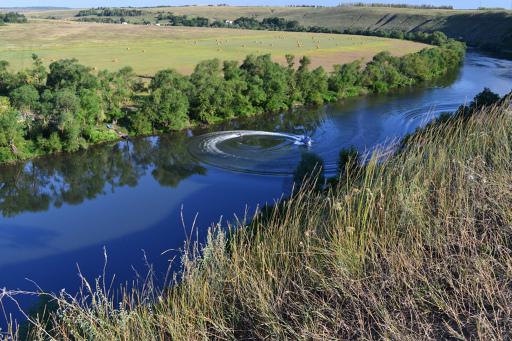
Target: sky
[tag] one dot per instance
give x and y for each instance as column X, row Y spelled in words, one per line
column 117, row 3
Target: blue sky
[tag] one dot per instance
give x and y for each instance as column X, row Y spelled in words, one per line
column 96, row 3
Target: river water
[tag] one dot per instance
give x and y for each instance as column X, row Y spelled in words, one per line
column 139, row 199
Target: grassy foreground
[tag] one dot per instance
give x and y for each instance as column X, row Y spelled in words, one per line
column 414, row 247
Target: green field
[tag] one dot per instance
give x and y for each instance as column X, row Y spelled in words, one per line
column 151, row 48
column 479, row 28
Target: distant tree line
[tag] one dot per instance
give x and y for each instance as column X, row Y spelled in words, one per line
column 68, row 106
column 12, row 18
column 377, row 4
column 111, row 12
column 183, row 20
column 102, row 20
column 304, row 5
column 491, row 9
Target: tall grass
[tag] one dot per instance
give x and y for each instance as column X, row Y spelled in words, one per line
column 414, row 247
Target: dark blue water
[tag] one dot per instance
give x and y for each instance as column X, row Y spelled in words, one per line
column 57, row 213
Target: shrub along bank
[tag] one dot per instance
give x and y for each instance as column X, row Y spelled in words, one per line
column 69, row 106
column 12, row 18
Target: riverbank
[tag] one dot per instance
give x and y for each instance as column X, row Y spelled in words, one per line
column 415, row 246
column 70, row 107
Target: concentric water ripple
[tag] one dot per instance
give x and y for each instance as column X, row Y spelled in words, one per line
column 250, row 151
column 428, row 112
column 279, row 153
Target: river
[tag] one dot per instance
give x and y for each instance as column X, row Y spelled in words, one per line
column 139, row 199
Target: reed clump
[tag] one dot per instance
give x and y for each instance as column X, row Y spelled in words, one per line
column 413, row 247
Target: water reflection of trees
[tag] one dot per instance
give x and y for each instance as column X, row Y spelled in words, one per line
column 74, row 178
column 297, row 121
column 37, row 185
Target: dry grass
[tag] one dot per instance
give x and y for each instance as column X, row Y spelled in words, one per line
column 417, row 247
column 149, row 49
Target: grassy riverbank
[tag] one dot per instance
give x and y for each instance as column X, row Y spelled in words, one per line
column 417, row 246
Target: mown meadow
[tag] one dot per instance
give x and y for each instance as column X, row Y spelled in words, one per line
column 149, row 49
column 485, row 28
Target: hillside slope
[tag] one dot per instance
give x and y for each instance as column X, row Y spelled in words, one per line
column 490, row 29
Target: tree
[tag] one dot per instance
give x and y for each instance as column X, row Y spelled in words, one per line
column 415, row 66
column 382, row 73
column 67, row 73
column 313, row 86
column 290, row 60
column 117, row 89
column 6, row 78
column 5, row 105
column 484, row 99
column 207, row 80
column 234, row 91
column 11, row 135
column 92, row 107
column 63, row 108
column 167, row 104
column 38, row 72
column 345, row 81
column 25, row 98
column 268, row 83
column 438, row 38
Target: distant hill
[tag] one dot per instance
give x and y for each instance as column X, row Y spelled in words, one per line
column 31, row 9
